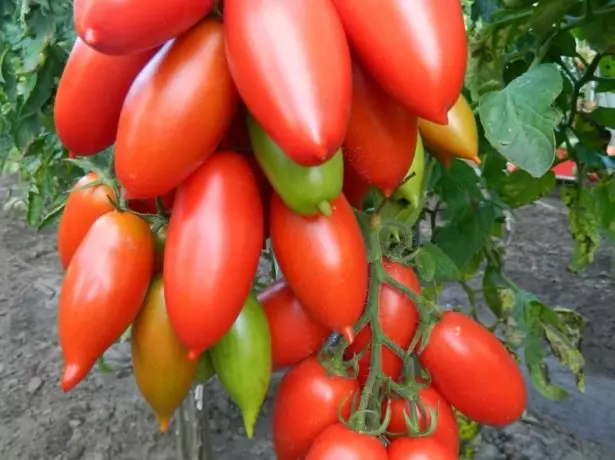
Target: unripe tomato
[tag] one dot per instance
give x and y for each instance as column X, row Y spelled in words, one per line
column 412, row 189
column 339, row 442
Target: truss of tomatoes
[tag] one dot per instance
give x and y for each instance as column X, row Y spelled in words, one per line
column 244, row 120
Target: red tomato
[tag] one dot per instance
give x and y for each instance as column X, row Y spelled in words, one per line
column 294, row 334
column 398, row 319
column 176, row 113
column 129, row 26
column 341, row 443
column 291, row 63
column 355, row 188
column 82, row 209
column 90, row 97
column 265, row 190
column 148, row 206
column 473, row 371
column 237, row 137
column 421, row 448
column 381, row 136
column 103, row 290
column 307, row 402
column 417, row 49
column 447, row 432
column 212, row 251
column 324, row 261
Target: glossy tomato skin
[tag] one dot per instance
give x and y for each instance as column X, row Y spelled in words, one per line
column 161, row 367
column 103, row 290
column 474, row 372
column 163, row 135
column 291, row 63
column 242, row 360
column 148, row 205
column 421, row 448
column 307, row 190
column 355, row 188
column 447, row 430
column 294, row 334
column 130, row 26
column 265, row 190
column 90, row 95
column 306, row 403
column 381, row 136
column 412, row 189
column 398, row 320
column 82, row 209
column 426, row 50
column 458, row 139
column 160, row 241
column 213, row 246
column 341, row 443
column 324, row 261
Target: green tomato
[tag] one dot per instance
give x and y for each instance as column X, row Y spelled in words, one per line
column 412, row 189
column 242, row 360
column 205, row 369
column 307, row 190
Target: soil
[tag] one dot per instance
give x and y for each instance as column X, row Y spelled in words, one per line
column 104, row 418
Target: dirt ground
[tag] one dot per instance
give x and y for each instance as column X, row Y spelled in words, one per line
column 105, row 419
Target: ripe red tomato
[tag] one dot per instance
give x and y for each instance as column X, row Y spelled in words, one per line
column 324, row 261
column 294, row 334
column 176, row 113
column 447, row 430
column 103, row 290
column 425, row 49
column 398, row 319
column 355, row 187
column 421, row 448
column 473, row 371
column 148, row 206
column 341, row 443
column 212, row 251
column 265, row 190
column 307, row 402
column 129, row 26
column 82, row 209
column 381, row 136
column 90, row 97
column 280, row 56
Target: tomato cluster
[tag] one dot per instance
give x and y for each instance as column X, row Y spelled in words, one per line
column 240, row 121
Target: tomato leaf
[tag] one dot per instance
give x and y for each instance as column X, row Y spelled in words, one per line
column 519, row 121
column 520, row 188
column 498, row 293
column 426, row 266
column 584, row 224
column 444, row 268
column 604, row 116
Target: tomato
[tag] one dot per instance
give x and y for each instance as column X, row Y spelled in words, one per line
column 265, row 193
column 213, row 246
column 237, row 137
column 129, row 26
column 341, row 443
column 82, row 209
column 294, row 334
column 176, row 113
column 355, row 188
column 160, row 241
column 416, row 50
column 324, row 261
column 307, row 190
column 291, row 63
column 381, row 135
column 205, row 369
column 148, row 206
column 90, row 95
column 103, row 290
column 473, row 371
column 420, row 448
column 412, row 189
column 163, row 372
column 398, row 320
column 457, row 139
column 306, row 403
column 242, row 360
column 446, row 431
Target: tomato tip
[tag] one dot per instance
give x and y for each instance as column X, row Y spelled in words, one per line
column 164, row 424
column 71, row 376
column 193, row 355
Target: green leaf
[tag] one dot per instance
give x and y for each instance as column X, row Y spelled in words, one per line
column 51, row 217
column 604, row 116
column 547, row 14
column 519, row 121
column 584, row 224
column 425, row 265
column 519, row 188
column 499, row 294
column 444, row 269
column 539, row 373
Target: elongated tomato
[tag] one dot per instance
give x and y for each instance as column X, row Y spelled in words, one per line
column 176, row 113
column 420, row 448
column 416, row 49
column 90, row 95
column 82, row 209
column 213, row 246
column 294, row 334
column 473, row 371
column 381, row 136
column 129, row 26
column 291, row 63
column 324, row 261
column 355, row 187
column 338, row 442
column 103, row 290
